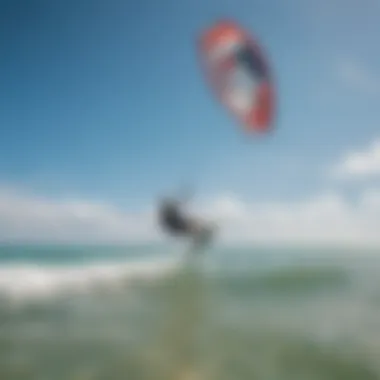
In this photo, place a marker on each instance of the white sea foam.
(29, 281)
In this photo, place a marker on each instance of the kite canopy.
(236, 69)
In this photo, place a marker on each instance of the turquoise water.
(145, 312)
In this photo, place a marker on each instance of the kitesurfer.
(176, 222)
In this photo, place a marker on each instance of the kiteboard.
(204, 237)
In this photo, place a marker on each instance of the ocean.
(152, 312)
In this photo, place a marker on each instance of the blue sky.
(106, 100)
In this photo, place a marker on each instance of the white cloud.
(358, 77)
(325, 219)
(29, 218)
(359, 164)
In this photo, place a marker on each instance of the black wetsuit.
(173, 220)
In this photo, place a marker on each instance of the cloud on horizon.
(25, 217)
(361, 164)
(325, 219)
